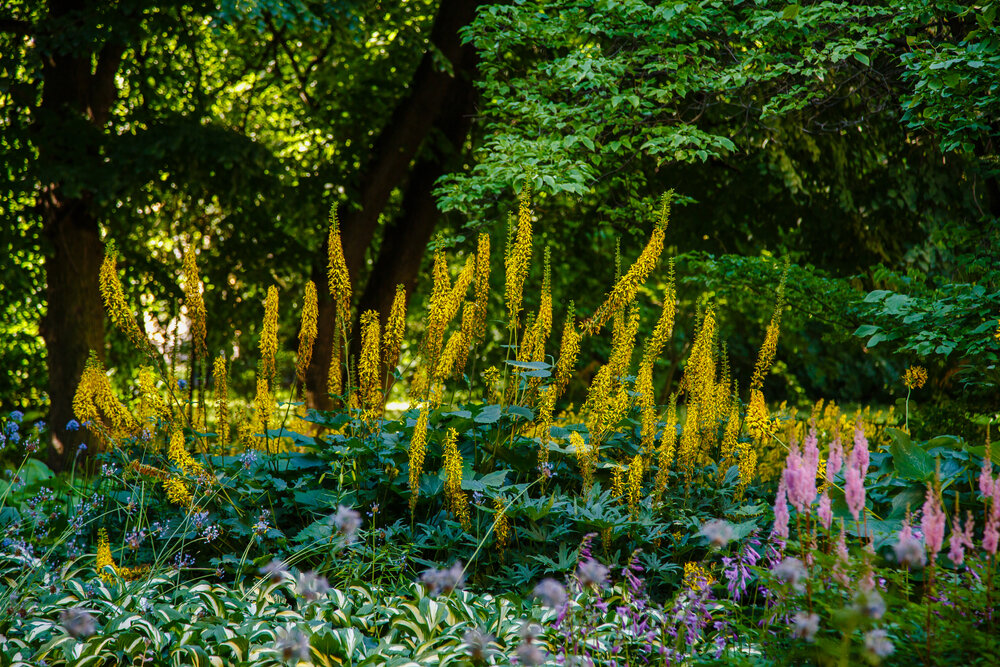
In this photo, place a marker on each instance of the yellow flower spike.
(664, 328)
(758, 421)
(501, 525)
(107, 569)
(339, 280)
(647, 407)
(308, 330)
(546, 405)
(369, 366)
(461, 287)
(147, 471)
(491, 382)
(334, 378)
(263, 405)
(687, 454)
(569, 349)
(696, 577)
(747, 462)
(625, 288)
(179, 456)
(220, 377)
(457, 500)
(395, 328)
(269, 335)
(114, 299)
(665, 452)
(151, 403)
(518, 259)
(195, 304)
(617, 482)
(439, 314)
(586, 459)
(177, 492)
(623, 345)
(418, 450)
(95, 397)
(482, 288)
(635, 472)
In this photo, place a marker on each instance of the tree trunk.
(392, 155)
(77, 94)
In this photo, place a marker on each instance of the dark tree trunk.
(434, 95)
(77, 95)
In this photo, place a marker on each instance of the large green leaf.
(910, 461)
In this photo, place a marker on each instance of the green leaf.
(910, 461)
(790, 12)
(866, 330)
(490, 414)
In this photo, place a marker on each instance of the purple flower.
(877, 643)
(592, 572)
(805, 626)
(530, 654)
(72, 425)
(78, 622)
(311, 586)
(718, 532)
(16, 416)
(292, 645)
(347, 522)
(791, 571)
(551, 593)
(870, 604)
(477, 644)
(444, 581)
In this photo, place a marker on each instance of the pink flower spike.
(991, 537)
(836, 458)
(860, 450)
(933, 522)
(781, 512)
(854, 488)
(986, 478)
(956, 543)
(825, 511)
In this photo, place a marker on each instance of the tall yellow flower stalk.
(647, 407)
(664, 328)
(220, 377)
(546, 406)
(608, 399)
(152, 405)
(569, 349)
(418, 451)
(308, 330)
(457, 501)
(482, 287)
(518, 259)
(195, 304)
(758, 420)
(269, 335)
(665, 452)
(95, 398)
(439, 314)
(339, 280)
(107, 569)
(501, 525)
(263, 405)
(533, 344)
(625, 288)
(699, 380)
(370, 367)
(179, 456)
(114, 299)
(586, 458)
(636, 468)
(395, 328)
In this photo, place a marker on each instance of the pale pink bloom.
(836, 458)
(810, 450)
(825, 511)
(986, 483)
(867, 582)
(909, 551)
(804, 626)
(843, 559)
(781, 512)
(860, 451)
(991, 536)
(933, 522)
(960, 540)
(854, 486)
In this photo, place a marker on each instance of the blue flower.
(72, 425)
(182, 384)
(17, 416)
(10, 428)
(82, 447)
(40, 426)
